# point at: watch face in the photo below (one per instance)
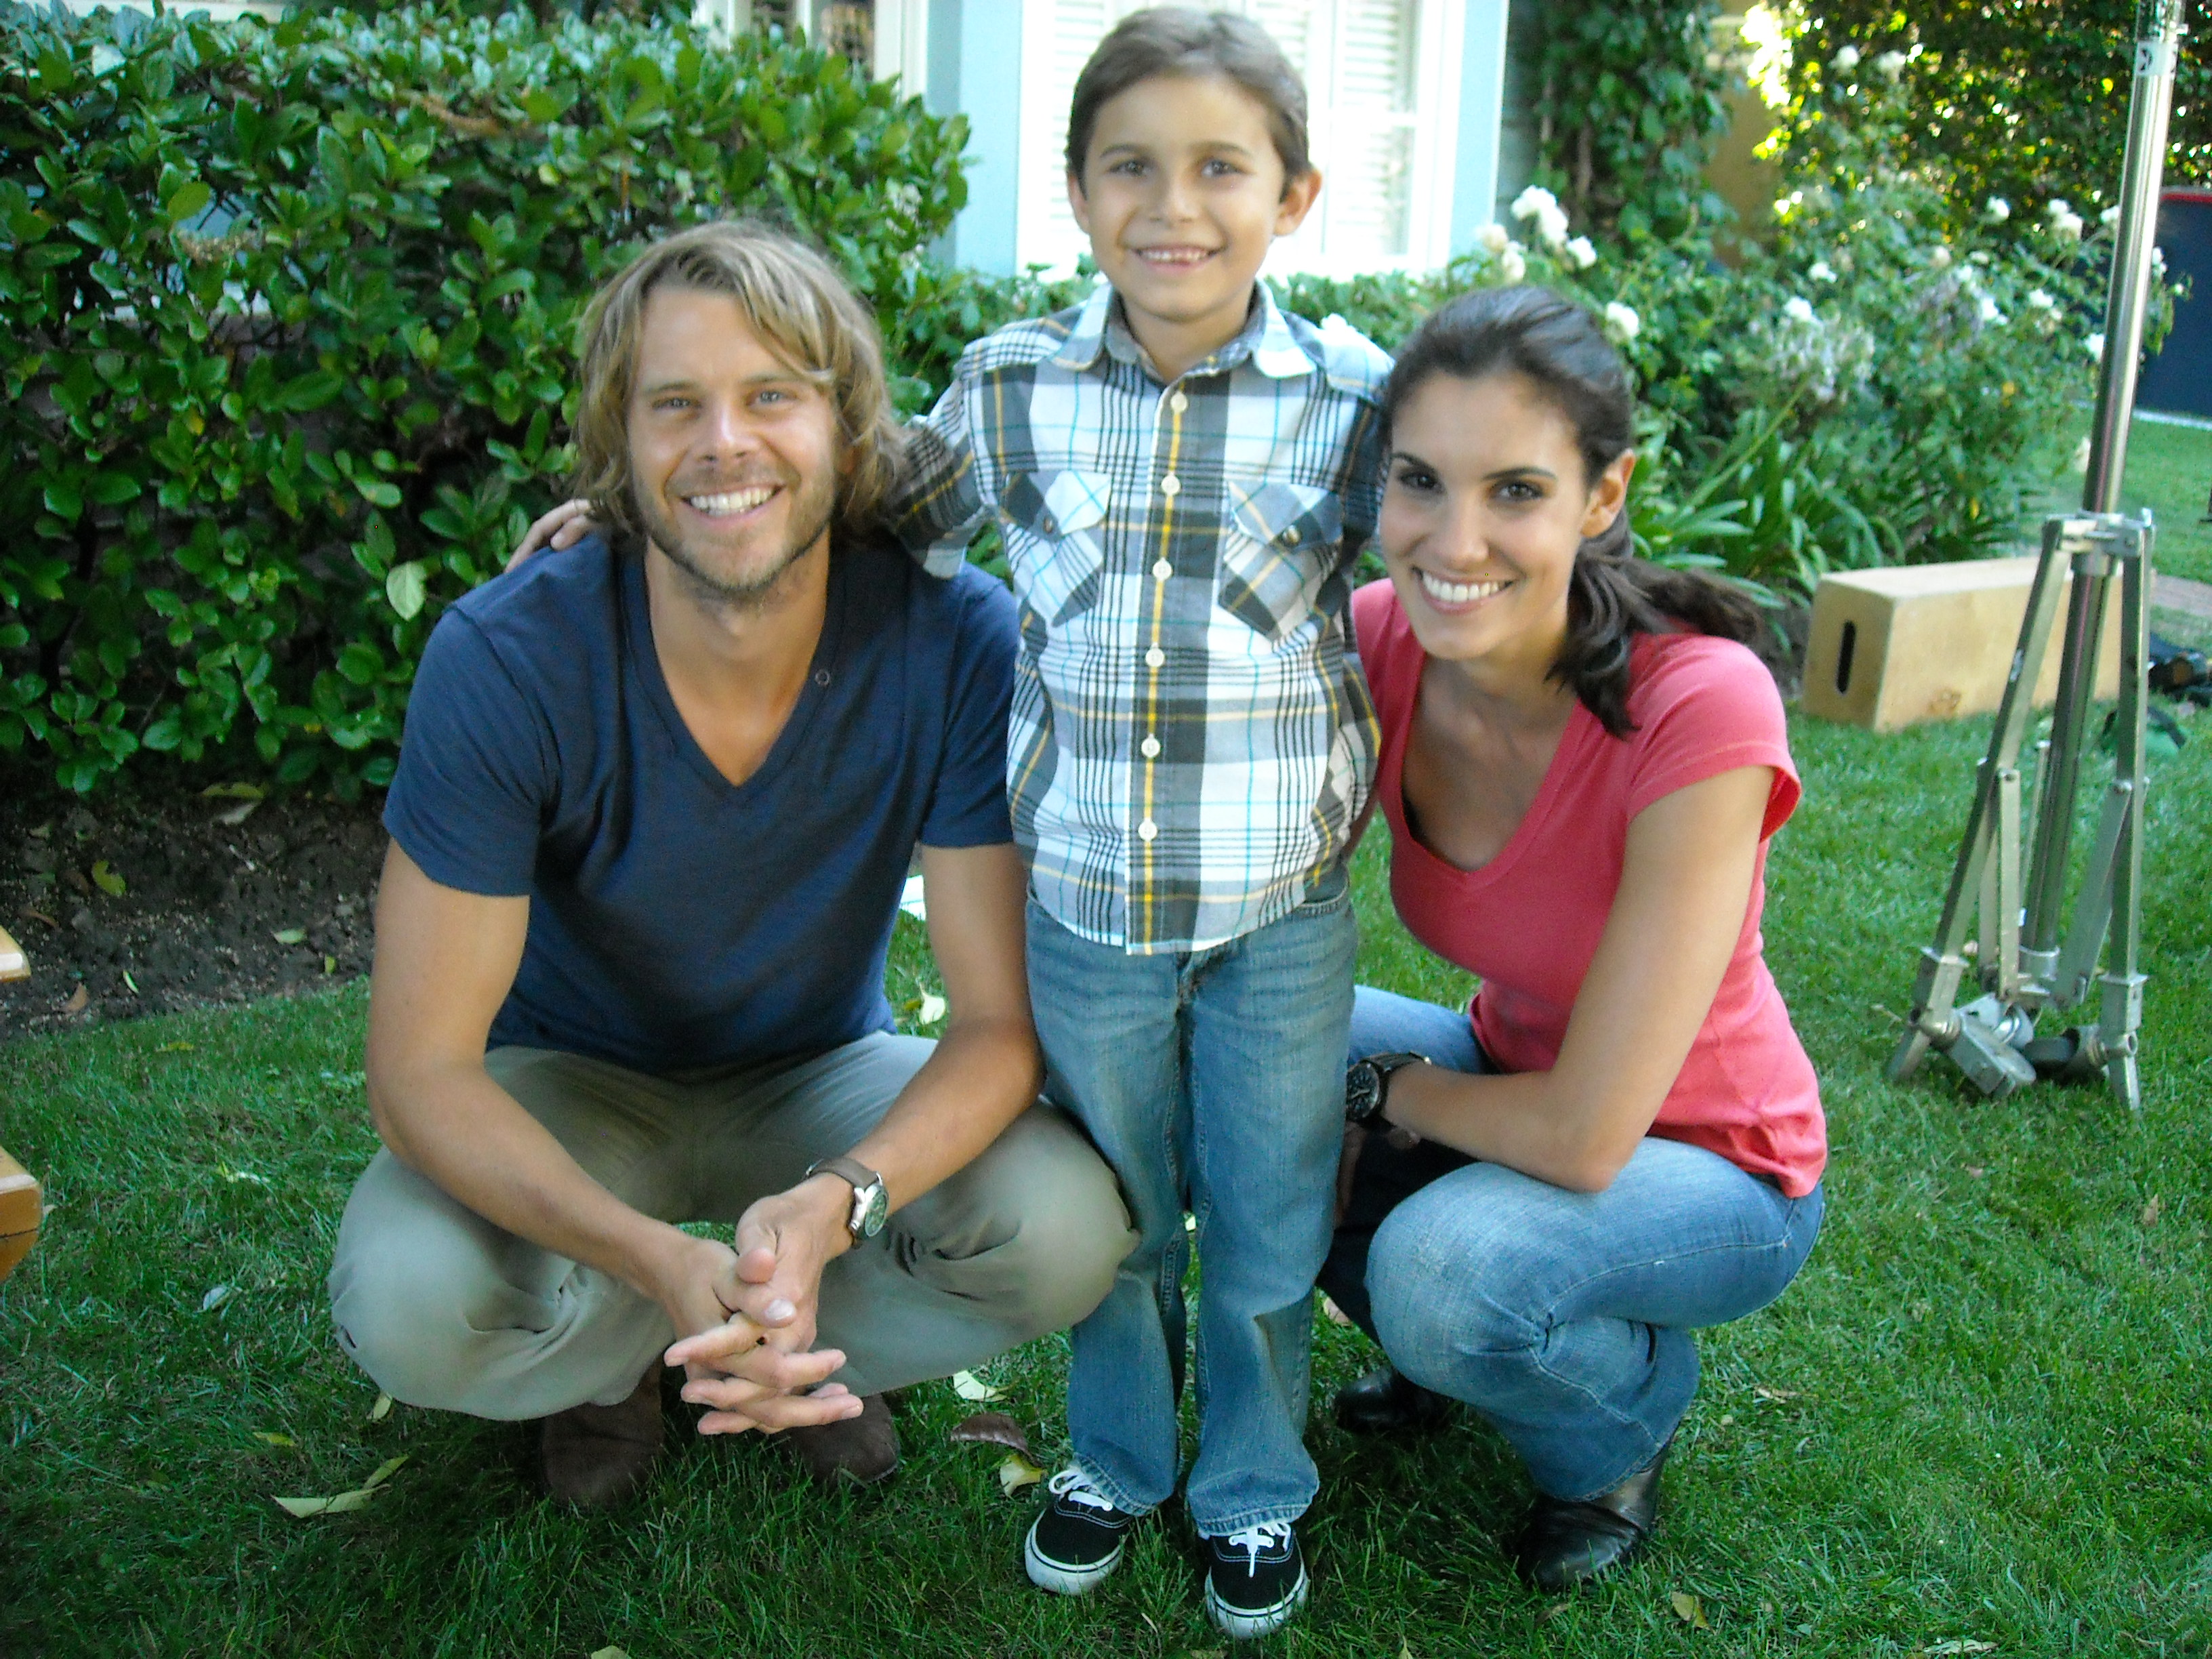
(870, 1207)
(1362, 1092)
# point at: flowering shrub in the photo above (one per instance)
(291, 314)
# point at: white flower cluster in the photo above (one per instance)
(1621, 322)
(1996, 210)
(1538, 204)
(1799, 309)
(2063, 220)
(1891, 64)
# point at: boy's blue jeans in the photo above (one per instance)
(1563, 1317)
(1211, 1079)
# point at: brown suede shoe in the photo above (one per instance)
(859, 1451)
(599, 1456)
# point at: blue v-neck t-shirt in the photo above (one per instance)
(677, 921)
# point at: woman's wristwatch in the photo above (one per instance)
(1367, 1085)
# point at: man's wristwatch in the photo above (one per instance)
(871, 1205)
(1367, 1085)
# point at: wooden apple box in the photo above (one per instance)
(1891, 648)
(20, 1212)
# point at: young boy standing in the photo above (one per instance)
(1183, 474)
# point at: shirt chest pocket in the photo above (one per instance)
(1276, 554)
(1055, 523)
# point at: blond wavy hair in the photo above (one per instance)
(801, 309)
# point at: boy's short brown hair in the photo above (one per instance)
(1180, 40)
(802, 310)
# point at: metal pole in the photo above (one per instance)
(2157, 44)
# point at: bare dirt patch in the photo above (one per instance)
(149, 898)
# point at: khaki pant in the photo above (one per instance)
(442, 1309)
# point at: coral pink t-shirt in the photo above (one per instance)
(1529, 921)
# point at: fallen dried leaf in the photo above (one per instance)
(992, 1428)
(290, 935)
(231, 791)
(1760, 1391)
(1331, 1312)
(1726, 1421)
(104, 878)
(235, 816)
(78, 1002)
(343, 1503)
(969, 1385)
(216, 1296)
(2149, 1216)
(1976, 1170)
(1958, 1645)
(236, 1177)
(1689, 1609)
(381, 1409)
(274, 1438)
(1018, 1471)
(43, 917)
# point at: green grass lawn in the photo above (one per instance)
(1981, 1415)
(2170, 471)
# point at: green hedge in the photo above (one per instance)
(293, 311)
(291, 315)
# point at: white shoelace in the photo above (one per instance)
(1268, 1535)
(1073, 1485)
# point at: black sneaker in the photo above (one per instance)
(1076, 1540)
(1256, 1579)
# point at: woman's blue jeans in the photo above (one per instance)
(1212, 1080)
(1563, 1317)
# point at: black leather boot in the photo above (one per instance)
(1563, 1546)
(1383, 1402)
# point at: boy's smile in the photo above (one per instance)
(1182, 193)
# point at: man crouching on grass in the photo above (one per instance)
(654, 811)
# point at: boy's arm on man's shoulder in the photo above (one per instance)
(939, 501)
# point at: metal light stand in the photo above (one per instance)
(2025, 965)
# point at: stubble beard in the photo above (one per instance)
(813, 506)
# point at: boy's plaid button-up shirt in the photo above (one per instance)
(1191, 740)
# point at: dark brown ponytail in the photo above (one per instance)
(1613, 595)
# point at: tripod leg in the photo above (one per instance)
(2122, 1019)
(1942, 966)
(2069, 715)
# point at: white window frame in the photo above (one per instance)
(1439, 46)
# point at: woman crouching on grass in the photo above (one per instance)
(1581, 764)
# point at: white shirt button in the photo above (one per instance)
(1155, 657)
(1177, 401)
(1170, 486)
(1162, 570)
(1147, 829)
(1150, 748)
